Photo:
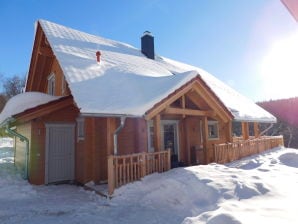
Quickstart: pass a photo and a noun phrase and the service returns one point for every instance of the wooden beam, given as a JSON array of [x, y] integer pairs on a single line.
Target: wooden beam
[[157, 133], [189, 112], [229, 131], [197, 100], [167, 103], [183, 104], [205, 138], [211, 101], [256, 129], [34, 58], [245, 130]]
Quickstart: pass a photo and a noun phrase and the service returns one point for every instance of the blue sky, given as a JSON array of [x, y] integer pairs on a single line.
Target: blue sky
[[230, 39]]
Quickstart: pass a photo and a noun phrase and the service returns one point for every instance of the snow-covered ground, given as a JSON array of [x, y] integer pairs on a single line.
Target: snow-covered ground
[[258, 189]]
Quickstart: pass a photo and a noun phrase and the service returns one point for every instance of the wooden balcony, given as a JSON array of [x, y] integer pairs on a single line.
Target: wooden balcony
[[229, 152], [128, 168]]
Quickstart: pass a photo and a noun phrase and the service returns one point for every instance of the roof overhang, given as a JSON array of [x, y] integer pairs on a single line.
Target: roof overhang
[[44, 109], [198, 85]]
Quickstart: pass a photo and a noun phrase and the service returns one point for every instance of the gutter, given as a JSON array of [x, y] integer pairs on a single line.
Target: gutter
[[23, 139], [122, 123], [110, 115]]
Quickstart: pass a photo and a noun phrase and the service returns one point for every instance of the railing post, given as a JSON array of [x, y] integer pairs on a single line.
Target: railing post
[[215, 153], [282, 141], [143, 164], [169, 159], [111, 175]]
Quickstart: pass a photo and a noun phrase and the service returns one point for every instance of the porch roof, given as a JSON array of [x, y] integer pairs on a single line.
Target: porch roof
[[126, 82], [22, 102]]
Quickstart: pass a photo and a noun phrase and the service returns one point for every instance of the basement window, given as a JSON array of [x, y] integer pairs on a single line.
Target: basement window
[[80, 128], [51, 84], [213, 132]]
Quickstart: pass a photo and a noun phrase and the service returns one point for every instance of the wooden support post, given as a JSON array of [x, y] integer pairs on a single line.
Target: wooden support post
[[183, 104], [205, 138], [229, 131], [111, 175], [157, 133], [187, 149], [245, 130], [256, 129]]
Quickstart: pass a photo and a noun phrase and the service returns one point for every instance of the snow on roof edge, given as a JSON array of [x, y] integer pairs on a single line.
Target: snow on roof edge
[[241, 114], [23, 102]]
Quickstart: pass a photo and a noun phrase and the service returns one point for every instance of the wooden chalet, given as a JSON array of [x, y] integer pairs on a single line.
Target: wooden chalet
[[114, 113]]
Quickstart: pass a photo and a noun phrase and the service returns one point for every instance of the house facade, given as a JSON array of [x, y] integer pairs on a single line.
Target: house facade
[[100, 97]]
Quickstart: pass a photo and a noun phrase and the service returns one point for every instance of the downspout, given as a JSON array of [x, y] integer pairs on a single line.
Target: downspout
[[22, 138], [267, 129], [122, 123]]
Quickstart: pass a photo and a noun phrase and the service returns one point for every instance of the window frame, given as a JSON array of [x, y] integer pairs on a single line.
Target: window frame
[[214, 124], [80, 128], [150, 136], [51, 84]]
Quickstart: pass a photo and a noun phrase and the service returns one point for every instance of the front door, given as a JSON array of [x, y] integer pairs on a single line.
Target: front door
[[59, 152], [169, 133]]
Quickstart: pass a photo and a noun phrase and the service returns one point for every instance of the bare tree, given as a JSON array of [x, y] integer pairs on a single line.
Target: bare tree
[[2, 102], [13, 86]]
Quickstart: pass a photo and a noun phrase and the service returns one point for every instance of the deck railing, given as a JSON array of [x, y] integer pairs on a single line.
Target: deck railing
[[123, 169], [229, 152]]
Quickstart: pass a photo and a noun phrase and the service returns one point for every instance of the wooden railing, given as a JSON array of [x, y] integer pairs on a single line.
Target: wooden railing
[[128, 168], [229, 152]]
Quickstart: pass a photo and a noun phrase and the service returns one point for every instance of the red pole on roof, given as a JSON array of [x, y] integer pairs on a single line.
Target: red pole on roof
[[98, 56]]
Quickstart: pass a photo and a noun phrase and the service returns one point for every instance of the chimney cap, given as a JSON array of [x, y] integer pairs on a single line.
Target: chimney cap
[[147, 33]]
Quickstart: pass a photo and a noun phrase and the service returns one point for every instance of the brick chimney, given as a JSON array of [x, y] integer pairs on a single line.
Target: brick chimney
[[147, 45]]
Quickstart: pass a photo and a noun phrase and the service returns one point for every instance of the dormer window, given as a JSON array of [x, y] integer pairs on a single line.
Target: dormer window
[[51, 84]]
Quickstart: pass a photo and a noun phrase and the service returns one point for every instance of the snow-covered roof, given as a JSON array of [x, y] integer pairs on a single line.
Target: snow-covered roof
[[24, 101], [125, 82]]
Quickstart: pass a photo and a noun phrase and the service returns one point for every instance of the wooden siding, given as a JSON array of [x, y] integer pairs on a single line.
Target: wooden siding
[[192, 137], [223, 129], [36, 132], [20, 152], [61, 86], [94, 149], [43, 63], [37, 153], [133, 137]]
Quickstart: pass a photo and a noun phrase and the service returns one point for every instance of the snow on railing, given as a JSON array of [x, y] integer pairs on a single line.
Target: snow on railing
[[123, 169], [229, 152]]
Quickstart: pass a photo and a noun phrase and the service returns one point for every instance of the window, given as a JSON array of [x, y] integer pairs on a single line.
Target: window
[[150, 136], [213, 130], [80, 128], [51, 84]]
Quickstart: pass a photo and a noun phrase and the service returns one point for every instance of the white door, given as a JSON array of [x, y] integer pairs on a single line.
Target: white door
[[59, 152]]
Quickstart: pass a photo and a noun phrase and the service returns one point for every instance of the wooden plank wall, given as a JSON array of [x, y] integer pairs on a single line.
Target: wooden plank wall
[[38, 138]]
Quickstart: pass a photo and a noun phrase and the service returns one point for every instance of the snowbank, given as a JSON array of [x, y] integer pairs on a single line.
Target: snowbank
[[257, 189]]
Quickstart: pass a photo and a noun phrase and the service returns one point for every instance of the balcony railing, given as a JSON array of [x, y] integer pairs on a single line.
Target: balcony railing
[[128, 168]]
